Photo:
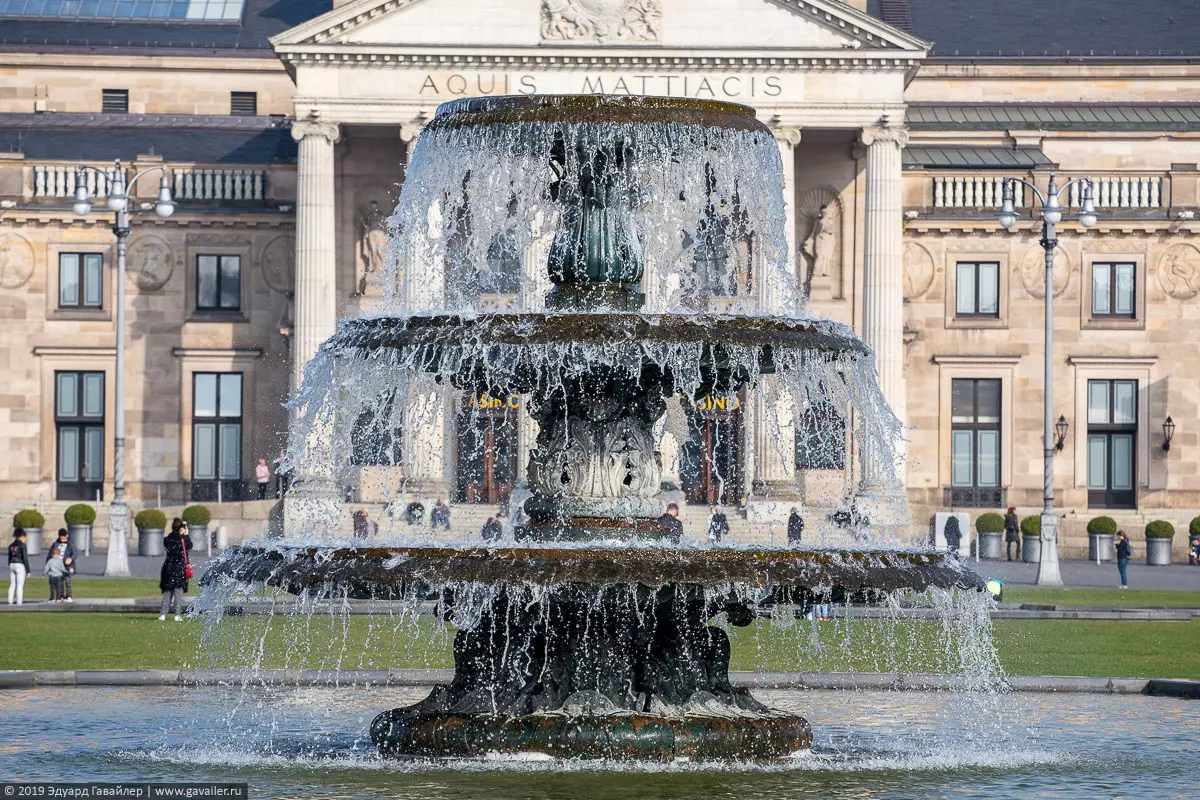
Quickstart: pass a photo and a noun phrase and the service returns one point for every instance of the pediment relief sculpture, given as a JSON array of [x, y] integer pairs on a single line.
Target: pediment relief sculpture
[[601, 20]]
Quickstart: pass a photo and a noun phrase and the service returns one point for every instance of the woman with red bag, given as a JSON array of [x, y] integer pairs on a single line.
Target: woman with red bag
[[176, 569]]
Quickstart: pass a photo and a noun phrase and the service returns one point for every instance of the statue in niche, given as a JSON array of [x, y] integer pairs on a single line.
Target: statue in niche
[[821, 244], [372, 242], [820, 250]]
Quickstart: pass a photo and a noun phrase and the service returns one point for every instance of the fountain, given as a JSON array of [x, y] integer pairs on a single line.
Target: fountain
[[587, 634]]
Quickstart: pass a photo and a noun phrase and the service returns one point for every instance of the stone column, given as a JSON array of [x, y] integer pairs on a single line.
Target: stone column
[[316, 262], [883, 268], [773, 288]]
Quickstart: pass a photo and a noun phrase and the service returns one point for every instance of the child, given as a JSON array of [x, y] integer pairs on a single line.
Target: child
[[55, 570]]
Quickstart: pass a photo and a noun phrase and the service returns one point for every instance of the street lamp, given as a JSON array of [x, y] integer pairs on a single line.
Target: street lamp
[[117, 201], [1052, 213]]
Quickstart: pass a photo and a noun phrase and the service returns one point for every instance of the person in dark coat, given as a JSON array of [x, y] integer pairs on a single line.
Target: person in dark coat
[[795, 528], [718, 526], [67, 551], [1012, 533], [361, 530], [415, 513], [492, 530], [953, 534], [172, 581], [18, 567], [1124, 553], [670, 521], [440, 515]]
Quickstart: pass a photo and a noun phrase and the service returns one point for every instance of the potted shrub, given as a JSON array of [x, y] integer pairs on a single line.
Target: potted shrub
[[1159, 534], [990, 539], [32, 522], [150, 523], [1100, 538], [1031, 539], [197, 517], [1194, 540], [79, 519]]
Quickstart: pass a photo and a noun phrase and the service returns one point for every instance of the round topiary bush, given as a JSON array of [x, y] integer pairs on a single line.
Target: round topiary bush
[[80, 514], [1160, 529], [150, 519], [197, 515], [990, 523], [1194, 528], [29, 518], [1102, 526], [1031, 525]]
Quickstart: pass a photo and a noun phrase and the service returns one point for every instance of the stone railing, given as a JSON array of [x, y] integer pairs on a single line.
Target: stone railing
[[217, 185], [973, 191], [1121, 191], [58, 180]]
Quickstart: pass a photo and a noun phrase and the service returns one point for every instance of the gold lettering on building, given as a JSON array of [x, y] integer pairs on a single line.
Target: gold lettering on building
[[485, 402]]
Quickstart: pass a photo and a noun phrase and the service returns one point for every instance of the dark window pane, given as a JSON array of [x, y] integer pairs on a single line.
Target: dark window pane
[[93, 454], [989, 289], [93, 280], [204, 396], [114, 101], [231, 451], [1101, 290], [68, 394], [231, 395], [1124, 290], [93, 394], [68, 279], [231, 282], [1098, 398], [962, 401], [206, 282], [987, 410], [68, 454], [243, 104], [204, 448]]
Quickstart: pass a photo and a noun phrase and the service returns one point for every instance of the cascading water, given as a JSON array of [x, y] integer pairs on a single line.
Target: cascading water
[[644, 238]]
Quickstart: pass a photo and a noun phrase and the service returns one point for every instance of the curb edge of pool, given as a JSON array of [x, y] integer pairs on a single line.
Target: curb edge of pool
[[1161, 687]]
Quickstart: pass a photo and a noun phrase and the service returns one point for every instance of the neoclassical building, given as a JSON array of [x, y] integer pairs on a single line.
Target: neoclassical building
[[285, 129]]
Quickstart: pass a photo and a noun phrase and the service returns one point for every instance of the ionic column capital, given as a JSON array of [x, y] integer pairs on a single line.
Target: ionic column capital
[[786, 134], [883, 135], [303, 128], [409, 131]]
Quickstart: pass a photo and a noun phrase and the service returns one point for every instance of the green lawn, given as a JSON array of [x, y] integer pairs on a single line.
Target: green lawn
[[82, 588], [1140, 598], [1025, 647]]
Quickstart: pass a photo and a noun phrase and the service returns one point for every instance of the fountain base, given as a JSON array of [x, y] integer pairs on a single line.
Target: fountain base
[[617, 735]]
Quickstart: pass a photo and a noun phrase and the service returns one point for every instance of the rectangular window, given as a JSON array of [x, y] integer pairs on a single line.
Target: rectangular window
[[80, 280], [1111, 443], [977, 289], [975, 441], [217, 435], [218, 283], [243, 104], [114, 101], [1114, 290], [821, 437], [79, 420]]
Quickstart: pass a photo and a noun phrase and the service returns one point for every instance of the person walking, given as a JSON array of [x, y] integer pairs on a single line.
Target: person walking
[[360, 523], [1124, 553], [670, 521], [440, 514], [953, 534], [262, 476], [18, 567], [718, 526], [54, 570], [173, 579], [63, 543], [1012, 533], [492, 530], [795, 528]]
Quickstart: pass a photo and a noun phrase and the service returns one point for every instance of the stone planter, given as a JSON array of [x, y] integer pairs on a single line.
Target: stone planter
[[1100, 547], [1031, 549], [991, 546], [198, 532], [150, 541], [33, 541], [80, 537], [1158, 552]]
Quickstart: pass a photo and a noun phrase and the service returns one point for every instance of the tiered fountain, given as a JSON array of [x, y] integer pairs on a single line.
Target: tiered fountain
[[587, 634]]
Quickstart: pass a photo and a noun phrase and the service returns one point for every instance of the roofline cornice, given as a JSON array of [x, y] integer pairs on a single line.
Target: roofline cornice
[[135, 58]]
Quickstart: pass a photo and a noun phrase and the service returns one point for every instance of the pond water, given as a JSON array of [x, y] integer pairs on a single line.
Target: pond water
[[312, 743]]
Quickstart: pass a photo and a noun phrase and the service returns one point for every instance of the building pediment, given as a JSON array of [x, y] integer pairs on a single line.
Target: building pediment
[[793, 26]]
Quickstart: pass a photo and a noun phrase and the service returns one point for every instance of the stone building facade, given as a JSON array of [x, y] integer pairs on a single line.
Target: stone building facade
[[286, 138]]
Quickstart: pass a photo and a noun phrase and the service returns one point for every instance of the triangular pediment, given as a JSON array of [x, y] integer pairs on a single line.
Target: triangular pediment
[[791, 25]]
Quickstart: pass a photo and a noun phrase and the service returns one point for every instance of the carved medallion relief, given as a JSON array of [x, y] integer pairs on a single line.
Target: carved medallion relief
[[16, 260], [1179, 271], [601, 20], [151, 262], [1033, 271], [279, 264], [918, 270]]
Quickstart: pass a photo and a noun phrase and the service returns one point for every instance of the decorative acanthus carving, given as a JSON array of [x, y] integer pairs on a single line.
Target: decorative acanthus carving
[[918, 270], [591, 460], [16, 260], [821, 210], [601, 20], [151, 262], [1179, 272]]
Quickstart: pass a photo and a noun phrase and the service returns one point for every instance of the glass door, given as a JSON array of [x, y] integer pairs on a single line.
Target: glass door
[[486, 456], [79, 419], [710, 462], [1112, 444]]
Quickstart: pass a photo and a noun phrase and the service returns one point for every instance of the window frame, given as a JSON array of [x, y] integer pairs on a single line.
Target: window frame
[[953, 319], [80, 281], [975, 264], [1110, 497], [1093, 321], [218, 308], [976, 427], [83, 487], [218, 421]]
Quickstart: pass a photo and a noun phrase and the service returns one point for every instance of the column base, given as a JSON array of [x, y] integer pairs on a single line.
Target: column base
[[117, 565]]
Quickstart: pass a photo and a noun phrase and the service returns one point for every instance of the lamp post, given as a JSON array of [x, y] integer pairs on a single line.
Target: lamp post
[[1051, 213], [117, 201]]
